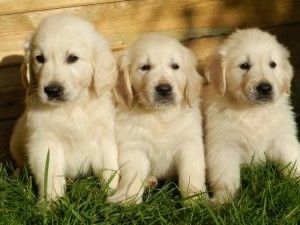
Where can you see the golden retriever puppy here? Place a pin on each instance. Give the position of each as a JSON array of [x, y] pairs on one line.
[[69, 73], [158, 125], [248, 117]]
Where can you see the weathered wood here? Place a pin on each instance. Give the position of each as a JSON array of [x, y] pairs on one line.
[[21, 6], [122, 22]]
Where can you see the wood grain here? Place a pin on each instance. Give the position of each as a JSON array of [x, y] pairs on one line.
[[21, 6], [123, 22]]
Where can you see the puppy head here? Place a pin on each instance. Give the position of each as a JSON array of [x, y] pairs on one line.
[[251, 67], [66, 60], [157, 72]]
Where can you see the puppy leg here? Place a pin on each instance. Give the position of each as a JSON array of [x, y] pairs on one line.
[[223, 167], [286, 150], [191, 169], [106, 162], [134, 169], [56, 169]]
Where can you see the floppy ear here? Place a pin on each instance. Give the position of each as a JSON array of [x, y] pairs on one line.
[[215, 73], [123, 91], [289, 74], [25, 67], [193, 82], [105, 67]]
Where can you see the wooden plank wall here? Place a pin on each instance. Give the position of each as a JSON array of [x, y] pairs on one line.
[[200, 24]]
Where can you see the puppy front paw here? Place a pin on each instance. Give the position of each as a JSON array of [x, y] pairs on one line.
[[123, 199], [193, 199], [151, 182], [220, 199], [110, 180], [114, 181]]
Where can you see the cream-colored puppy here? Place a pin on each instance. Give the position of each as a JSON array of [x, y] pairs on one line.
[[70, 73], [158, 120], [248, 117]]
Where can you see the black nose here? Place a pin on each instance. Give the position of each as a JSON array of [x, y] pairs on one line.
[[264, 89], [54, 90], [163, 90]]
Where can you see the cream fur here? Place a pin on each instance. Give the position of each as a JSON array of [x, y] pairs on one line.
[[241, 128], [160, 140], [79, 130]]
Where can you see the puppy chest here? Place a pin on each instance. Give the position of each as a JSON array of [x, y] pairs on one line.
[[159, 142], [251, 132], [73, 129]]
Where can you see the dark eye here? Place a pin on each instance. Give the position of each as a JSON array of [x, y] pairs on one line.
[[175, 66], [40, 58], [145, 67], [72, 59], [245, 66], [272, 64]]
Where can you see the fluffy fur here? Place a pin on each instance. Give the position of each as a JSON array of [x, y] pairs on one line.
[[158, 123], [69, 74], [248, 117]]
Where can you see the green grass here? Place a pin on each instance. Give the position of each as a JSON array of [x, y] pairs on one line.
[[265, 198]]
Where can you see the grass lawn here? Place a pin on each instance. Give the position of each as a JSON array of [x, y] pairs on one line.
[[265, 198]]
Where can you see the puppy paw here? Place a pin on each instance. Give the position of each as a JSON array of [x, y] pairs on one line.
[[114, 181], [151, 182], [194, 200], [122, 199], [218, 200], [110, 179]]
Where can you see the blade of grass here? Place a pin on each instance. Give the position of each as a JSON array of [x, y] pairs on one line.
[[45, 187]]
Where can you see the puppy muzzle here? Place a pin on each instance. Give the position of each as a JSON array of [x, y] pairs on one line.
[[54, 92], [164, 93], [264, 92]]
